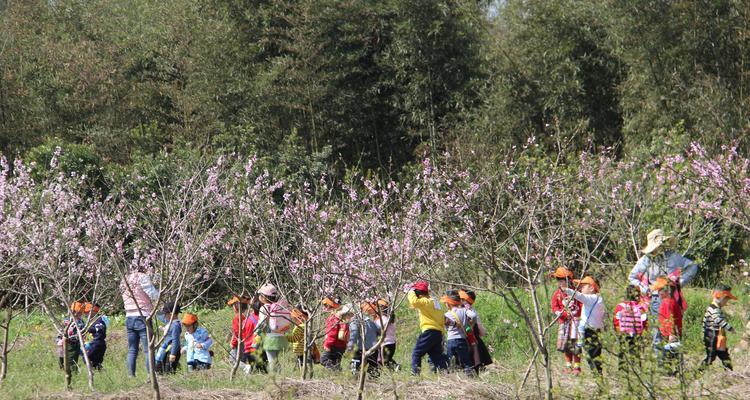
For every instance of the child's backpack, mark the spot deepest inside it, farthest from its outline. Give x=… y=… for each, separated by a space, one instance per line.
x=631 y=318
x=279 y=318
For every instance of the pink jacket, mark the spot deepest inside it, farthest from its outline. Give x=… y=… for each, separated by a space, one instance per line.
x=144 y=295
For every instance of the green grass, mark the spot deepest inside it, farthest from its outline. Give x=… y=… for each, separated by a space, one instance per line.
x=33 y=370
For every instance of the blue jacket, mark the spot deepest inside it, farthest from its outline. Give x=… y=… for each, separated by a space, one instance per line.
x=172 y=337
x=372 y=333
x=200 y=336
x=98 y=330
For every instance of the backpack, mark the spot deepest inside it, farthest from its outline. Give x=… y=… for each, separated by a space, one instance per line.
x=279 y=318
x=631 y=319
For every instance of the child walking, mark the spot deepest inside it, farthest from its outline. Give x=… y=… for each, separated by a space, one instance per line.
x=336 y=335
x=630 y=320
x=243 y=327
x=568 y=311
x=458 y=321
x=669 y=335
x=275 y=320
x=715 y=327
x=69 y=344
x=592 y=320
x=297 y=338
x=97 y=346
x=168 y=357
x=197 y=344
x=387 y=317
x=432 y=325
x=363 y=336
x=482 y=356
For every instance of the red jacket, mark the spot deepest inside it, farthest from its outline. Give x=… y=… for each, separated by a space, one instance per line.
x=559 y=299
x=670 y=318
x=248 y=326
x=333 y=325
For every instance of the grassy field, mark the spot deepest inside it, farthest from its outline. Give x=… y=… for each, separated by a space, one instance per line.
x=33 y=371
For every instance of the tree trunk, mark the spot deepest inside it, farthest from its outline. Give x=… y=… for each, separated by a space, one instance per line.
x=305 y=352
x=86 y=361
x=66 y=364
x=151 y=359
x=238 y=350
x=361 y=380
x=5 y=349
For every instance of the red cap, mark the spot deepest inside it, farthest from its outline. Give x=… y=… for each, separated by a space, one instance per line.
x=421 y=286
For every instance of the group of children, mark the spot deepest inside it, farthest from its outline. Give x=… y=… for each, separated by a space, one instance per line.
x=580 y=313
x=451 y=336
x=464 y=349
x=69 y=346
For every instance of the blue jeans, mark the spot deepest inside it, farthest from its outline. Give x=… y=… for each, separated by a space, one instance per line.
x=656 y=338
x=136 y=329
x=458 y=349
x=430 y=342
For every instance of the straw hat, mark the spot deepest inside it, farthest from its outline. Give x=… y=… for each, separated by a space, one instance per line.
x=656 y=239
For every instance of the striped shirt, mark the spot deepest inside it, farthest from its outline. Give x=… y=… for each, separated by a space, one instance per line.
x=714 y=319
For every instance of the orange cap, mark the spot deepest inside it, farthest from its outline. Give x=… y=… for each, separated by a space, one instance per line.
x=90 y=307
x=587 y=280
x=449 y=301
x=465 y=297
x=189 y=319
x=298 y=315
x=243 y=300
x=661 y=282
x=562 y=273
x=722 y=293
x=369 y=308
x=330 y=303
x=77 y=307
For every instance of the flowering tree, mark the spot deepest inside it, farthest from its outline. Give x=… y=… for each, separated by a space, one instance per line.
x=173 y=230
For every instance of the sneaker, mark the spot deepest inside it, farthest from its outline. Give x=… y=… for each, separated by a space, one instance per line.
x=576 y=371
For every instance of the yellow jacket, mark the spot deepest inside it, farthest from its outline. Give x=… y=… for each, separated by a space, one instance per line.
x=430 y=313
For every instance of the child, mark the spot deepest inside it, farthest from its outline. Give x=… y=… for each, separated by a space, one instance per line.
x=592 y=320
x=715 y=326
x=568 y=311
x=432 y=325
x=364 y=341
x=69 y=344
x=248 y=320
x=297 y=338
x=275 y=320
x=384 y=316
x=171 y=344
x=458 y=321
x=97 y=346
x=197 y=344
x=630 y=322
x=482 y=356
x=336 y=335
x=670 y=324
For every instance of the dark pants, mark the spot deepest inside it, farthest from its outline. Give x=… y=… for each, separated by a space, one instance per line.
x=95 y=353
x=459 y=352
x=196 y=365
x=373 y=368
x=593 y=347
x=389 y=350
x=136 y=330
x=709 y=340
x=72 y=352
x=168 y=367
x=629 y=353
x=332 y=359
x=429 y=343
